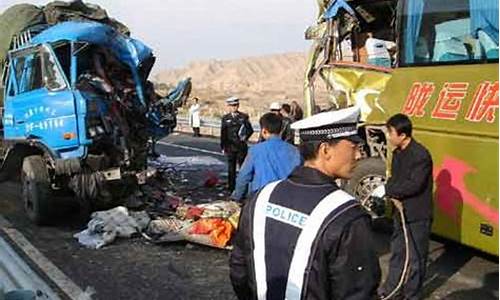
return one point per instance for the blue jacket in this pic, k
(266, 162)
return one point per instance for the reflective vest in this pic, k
(309, 226)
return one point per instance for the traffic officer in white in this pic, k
(303, 237)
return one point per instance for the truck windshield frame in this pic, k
(52, 77)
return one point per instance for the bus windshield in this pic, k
(436, 32)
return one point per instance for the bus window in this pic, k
(449, 32)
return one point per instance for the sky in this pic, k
(180, 31)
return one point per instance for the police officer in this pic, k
(304, 237)
(411, 185)
(235, 132)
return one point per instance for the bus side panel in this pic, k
(465, 188)
(456, 99)
(454, 110)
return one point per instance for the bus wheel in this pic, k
(368, 175)
(36, 189)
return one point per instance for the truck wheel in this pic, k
(369, 174)
(36, 189)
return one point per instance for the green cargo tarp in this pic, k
(60, 11)
(19, 18)
(16, 19)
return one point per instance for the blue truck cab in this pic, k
(79, 114)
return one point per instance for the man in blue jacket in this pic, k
(268, 161)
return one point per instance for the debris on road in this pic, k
(180, 201)
(106, 226)
(210, 224)
(186, 162)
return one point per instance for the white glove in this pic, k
(379, 192)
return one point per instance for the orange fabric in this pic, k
(220, 230)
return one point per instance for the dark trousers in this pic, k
(234, 158)
(196, 131)
(419, 234)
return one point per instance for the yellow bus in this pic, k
(437, 62)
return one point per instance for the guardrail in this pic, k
(209, 126)
(16, 274)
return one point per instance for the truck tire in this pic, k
(36, 189)
(369, 174)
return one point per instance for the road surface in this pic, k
(137, 269)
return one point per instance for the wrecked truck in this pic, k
(80, 116)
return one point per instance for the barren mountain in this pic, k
(257, 81)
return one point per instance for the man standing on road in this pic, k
(194, 117)
(411, 185)
(296, 113)
(287, 134)
(304, 237)
(235, 132)
(268, 161)
(275, 108)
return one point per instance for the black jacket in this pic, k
(342, 266)
(411, 181)
(287, 134)
(236, 129)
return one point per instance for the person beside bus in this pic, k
(411, 186)
(287, 134)
(296, 112)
